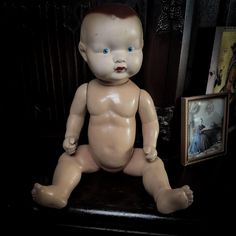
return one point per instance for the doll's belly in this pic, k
(112, 143)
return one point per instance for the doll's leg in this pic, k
(66, 176)
(156, 183)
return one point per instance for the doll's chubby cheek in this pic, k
(100, 69)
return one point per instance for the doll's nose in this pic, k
(119, 57)
(119, 60)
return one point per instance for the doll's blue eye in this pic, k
(105, 50)
(130, 49)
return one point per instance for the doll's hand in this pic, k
(150, 153)
(70, 145)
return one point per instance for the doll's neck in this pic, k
(113, 83)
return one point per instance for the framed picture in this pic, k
(222, 72)
(204, 127)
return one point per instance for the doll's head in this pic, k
(111, 42)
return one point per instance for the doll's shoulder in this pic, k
(145, 94)
(145, 99)
(82, 91)
(82, 87)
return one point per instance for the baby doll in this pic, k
(111, 42)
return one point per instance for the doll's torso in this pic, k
(112, 124)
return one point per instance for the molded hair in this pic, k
(117, 9)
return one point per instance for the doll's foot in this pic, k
(171, 200)
(49, 196)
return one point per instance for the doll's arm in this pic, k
(75, 120)
(150, 125)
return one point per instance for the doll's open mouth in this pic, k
(120, 69)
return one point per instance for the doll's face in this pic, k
(112, 47)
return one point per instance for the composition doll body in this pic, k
(111, 43)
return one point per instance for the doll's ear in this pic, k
(82, 50)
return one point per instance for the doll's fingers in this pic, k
(72, 141)
(151, 153)
(152, 157)
(70, 151)
(155, 153)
